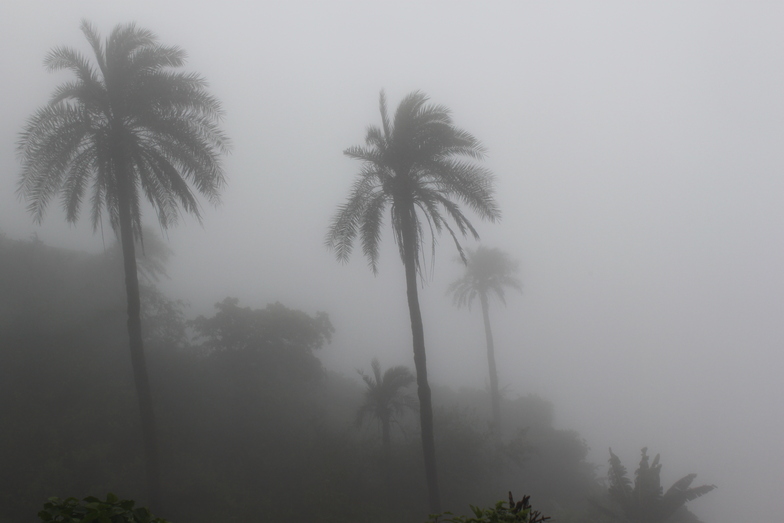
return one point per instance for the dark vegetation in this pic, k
(516, 512)
(112, 510)
(252, 428)
(645, 501)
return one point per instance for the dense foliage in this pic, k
(252, 427)
(645, 501)
(519, 512)
(113, 510)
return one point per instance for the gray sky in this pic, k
(640, 171)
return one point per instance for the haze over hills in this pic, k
(638, 167)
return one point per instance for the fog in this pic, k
(637, 150)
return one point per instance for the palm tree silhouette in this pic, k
(384, 397)
(487, 273)
(414, 165)
(385, 400)
(127, 126)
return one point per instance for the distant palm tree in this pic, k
(487, 272)
(128, 125)
(413, 165)
(385, 398)
(645, 502)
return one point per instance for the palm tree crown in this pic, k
(384, 398)
(488, 271)
(126, 122)
(412, 163)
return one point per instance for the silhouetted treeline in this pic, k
(251, 426)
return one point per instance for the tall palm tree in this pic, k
(385, 400)
(488, 272)
(416, 165)
(128, 125)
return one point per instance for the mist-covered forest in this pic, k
(252, 427)
(372, 261)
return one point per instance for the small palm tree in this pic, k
(645, 501)
(385, 398)
(488, 272)
(127, 126)
(412, 165)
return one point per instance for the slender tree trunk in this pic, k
(140, 377)
(495, 396)
(420, 363)
(386, 440)
(386, 444)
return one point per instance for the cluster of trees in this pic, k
(246, 393)
(251, 426)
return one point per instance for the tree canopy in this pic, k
(128, 123)
(419, 166)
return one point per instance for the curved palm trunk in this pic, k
(495, 396)
(140, 377)
(420, 363)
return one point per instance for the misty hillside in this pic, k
(361, 262)
(252, 426)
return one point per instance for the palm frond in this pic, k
(644, 501)
(414, 162)
(488, 272)
(164, 121)
(385, 392)
(385, 125)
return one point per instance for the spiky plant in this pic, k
(644, 501)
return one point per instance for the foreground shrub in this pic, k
(113, 510)
(520, 512)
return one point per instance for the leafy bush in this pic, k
(113, 510)
(520, 512)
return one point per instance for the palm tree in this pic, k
(415, 166)
(127, 125)
(385, 400)
(487, 272)
(644, 502)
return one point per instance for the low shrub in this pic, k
(113, 510)
(519, 512)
